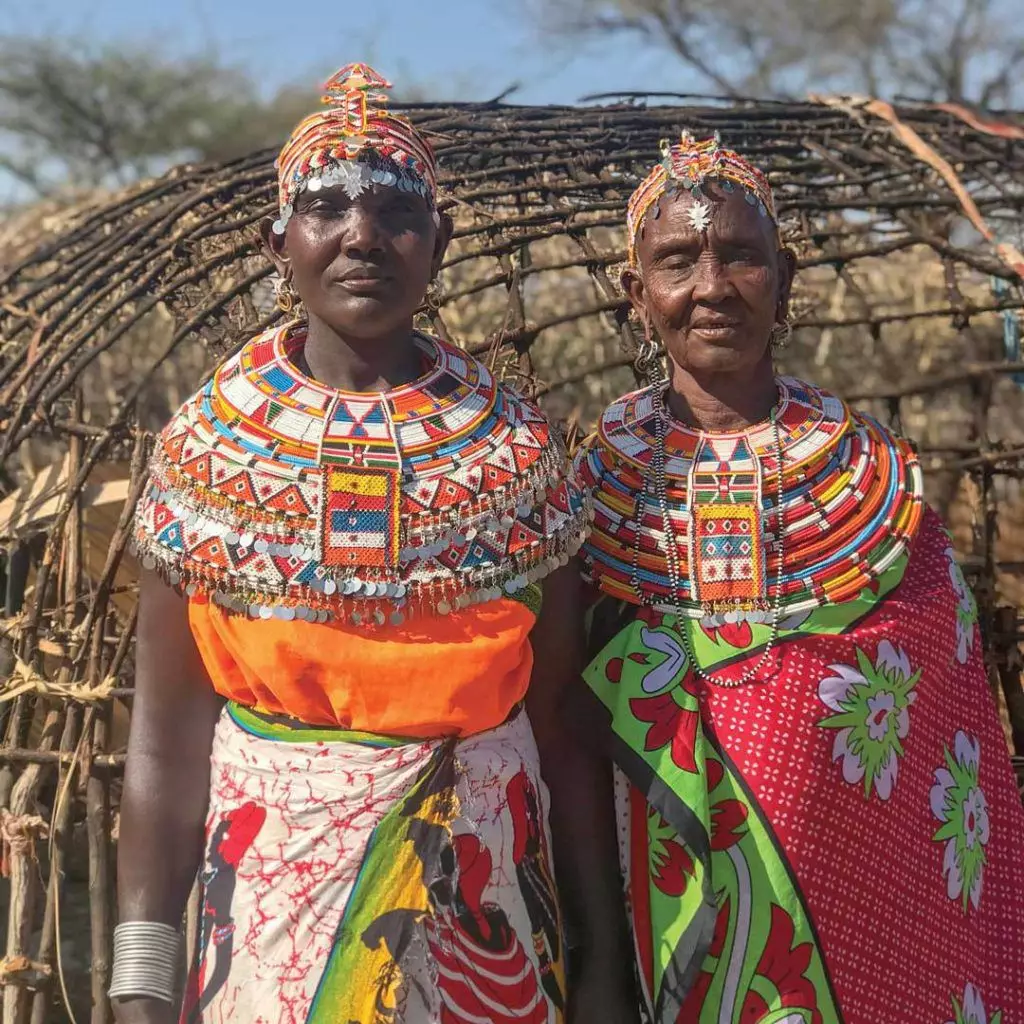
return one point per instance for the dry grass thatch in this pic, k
(112, 311)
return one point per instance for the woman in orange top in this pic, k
(342, 616)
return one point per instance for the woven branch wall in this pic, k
(111, 313)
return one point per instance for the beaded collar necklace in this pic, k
(743, 540)
(274, 495)
(851, 503)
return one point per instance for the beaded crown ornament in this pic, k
(687, 165)
(326, 148)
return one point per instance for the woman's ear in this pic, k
(787, 271)
(633, 285)
(272, 245)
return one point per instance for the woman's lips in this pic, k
(362, 281)
(715, 327)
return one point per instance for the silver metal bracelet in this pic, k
(146, 961)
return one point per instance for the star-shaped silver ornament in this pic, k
(353, 177)
(700, 215)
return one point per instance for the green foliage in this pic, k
(107, 114)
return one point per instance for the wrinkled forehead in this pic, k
(720, 215)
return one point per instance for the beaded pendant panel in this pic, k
(851, 504)
(726, 527)
(275, 495)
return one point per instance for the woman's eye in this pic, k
(401, 206)
(321, 206)
(741, 256)
(678, 262)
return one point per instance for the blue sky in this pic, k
(468, 49)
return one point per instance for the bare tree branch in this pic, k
(962, 50)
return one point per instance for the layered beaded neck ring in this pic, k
(727, 539)
(692, 524)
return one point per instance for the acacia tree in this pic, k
(959, 50)
(106, 115)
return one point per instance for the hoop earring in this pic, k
(434, 297)
(648, 359)
(284, 296)
(780, 335)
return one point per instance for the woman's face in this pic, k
(712, 294)
(361, 265)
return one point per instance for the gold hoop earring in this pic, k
(284, 296)
(434, 297)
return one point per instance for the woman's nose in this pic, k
(362, 232)
(710, 281)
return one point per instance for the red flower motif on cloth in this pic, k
(728, 817)
(784, 965)
(671, 865)
(613, 670)
(670, 723)
(735, 634)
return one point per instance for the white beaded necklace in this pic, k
(671, 551)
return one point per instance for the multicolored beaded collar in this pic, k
(277, 496)
(851, 503)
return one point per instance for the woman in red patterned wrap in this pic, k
(818, 822)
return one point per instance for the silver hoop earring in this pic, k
(648, 359)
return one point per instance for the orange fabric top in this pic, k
(457, 674)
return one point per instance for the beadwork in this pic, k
(275, 495)
(325, 148)
(672, 551)
(851, 502)
(687, 165)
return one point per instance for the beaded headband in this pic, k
(687, 165)
(325, 149)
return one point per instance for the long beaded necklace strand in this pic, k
(672, 553)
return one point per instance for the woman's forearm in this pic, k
(161, 838)
(167, 777)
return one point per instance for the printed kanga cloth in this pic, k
(352, 878)
(841, 839)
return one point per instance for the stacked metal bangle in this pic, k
(146, 961)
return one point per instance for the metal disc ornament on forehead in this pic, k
(686, 166)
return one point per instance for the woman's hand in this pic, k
(144, 1011)
(603, 992)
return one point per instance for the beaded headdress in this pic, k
(687, 165)
(328, 147)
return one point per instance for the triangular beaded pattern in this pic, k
(275, 495)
